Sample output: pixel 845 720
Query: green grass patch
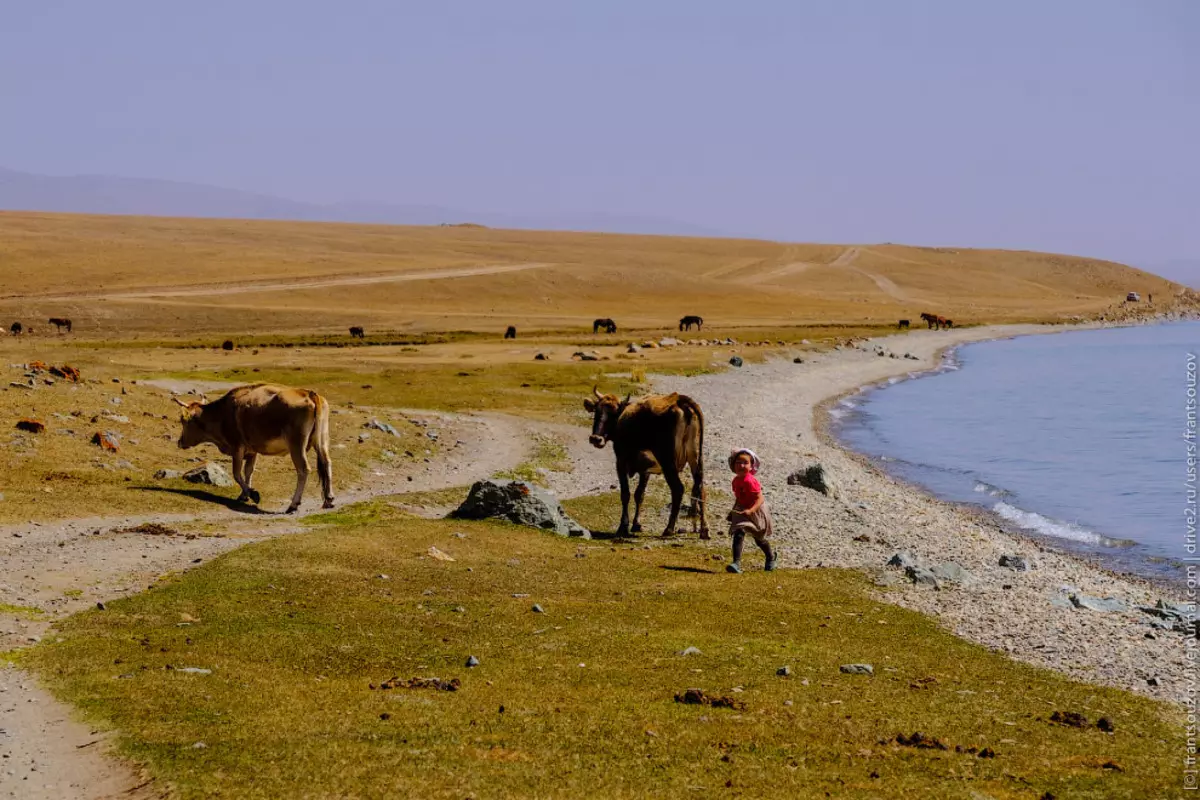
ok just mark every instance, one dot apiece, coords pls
pixel 21 611
pixel 577 701
pixel 550 454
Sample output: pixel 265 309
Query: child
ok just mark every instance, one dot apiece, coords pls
pixel 749 514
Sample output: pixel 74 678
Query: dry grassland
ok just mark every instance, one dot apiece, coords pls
pixel 122 276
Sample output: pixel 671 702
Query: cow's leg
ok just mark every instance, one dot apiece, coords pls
pixel 248 471
pixel 667 462
pixel 239 461
pixel 325 472
pixel 638 494
pixel 623 479
pixel 300 460
pixel 699 498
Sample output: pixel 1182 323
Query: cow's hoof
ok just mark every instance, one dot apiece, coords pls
pixel 637 527
pixel 704 536
pixel 622 531
pixel 667 534
pixel 328 503
pixel 291 509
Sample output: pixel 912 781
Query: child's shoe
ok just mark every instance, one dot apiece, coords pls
pixel 734 568
pixel 770 567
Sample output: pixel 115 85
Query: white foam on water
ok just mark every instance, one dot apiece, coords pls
pixel 1035 522
pixel 989 490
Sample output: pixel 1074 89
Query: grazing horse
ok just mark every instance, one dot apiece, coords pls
pixel 357 332
pixel 511 332
pixel 903 324
pixel 687 322
pixel 15 329
pixel 929 319
pixel 61 323
pixel 663 434
pixel 607 324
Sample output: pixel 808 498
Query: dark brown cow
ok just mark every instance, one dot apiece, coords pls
pixel 357 332
pixel 264 419
pixel 903 324
pixel 687 322
pixel 511 332
pixel 607 324
pixel 660 433
pixel 60 323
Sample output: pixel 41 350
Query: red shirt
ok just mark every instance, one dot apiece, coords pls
pixel 746 490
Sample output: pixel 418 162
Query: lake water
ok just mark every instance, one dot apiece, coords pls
pixel 1075 437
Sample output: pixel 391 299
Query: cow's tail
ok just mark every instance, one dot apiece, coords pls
pixel 319 441
pixel 689 443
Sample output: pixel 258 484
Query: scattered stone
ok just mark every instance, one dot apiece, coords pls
pixel 100 606
pixel 784 672
pixel 698 697
pixel 633 348
pixel 797 360
pixel 452 685
pixel 668 341
pixel 167 474
pixel 1015 562
pixel 537 609
pixel 375 424
pixel 923 576
pixel 903 559
pixel 521 503
pixel 736 361
pixel 362 437
pixel 690 651
pixel 1072 719
pixel 1105 724
pixel 1098 604
pixel 920 741
pixel 194 671
pixel 210 473
pixel 857 669
pixel 951 572
pixel 1153 682
pixel 541 357
pixel 472 661
pixel 815 477
pixel 106 440
pixel 440 555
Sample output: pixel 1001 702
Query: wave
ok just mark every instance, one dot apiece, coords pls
pixel 989 490
pixel 1057 529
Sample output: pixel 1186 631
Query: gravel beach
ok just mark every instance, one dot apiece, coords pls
pixel 779 409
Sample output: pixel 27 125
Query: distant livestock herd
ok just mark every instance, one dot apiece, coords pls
pixel 16 329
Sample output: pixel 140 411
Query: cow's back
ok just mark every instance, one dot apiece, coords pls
pixel 663 423
pixel 266 416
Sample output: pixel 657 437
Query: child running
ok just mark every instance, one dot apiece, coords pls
pixel 749 514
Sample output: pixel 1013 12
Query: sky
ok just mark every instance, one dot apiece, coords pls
pixel 1061 125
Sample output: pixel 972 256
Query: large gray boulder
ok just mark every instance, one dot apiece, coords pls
pixel 210 473
pixel 1098 603
pixel 519 502
pixel 814 477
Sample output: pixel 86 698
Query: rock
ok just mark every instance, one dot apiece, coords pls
pixel 784 672
pixel 537 609
pixel 541 357
pixel 922 575
pixel 167 474
pixel 668 341
pixel 195 670
pixel 950 572
pixel 690 651
pixel 633 348
pixel 903 560
pixel 582 356
pixel 1015 562
pixel 472 661
pixel 106 440
pixel 1097 603
pixel 211 474
pixel 736 361
pixel 815 477
pixel 857 669
pixel 440 555
pixel 123 464
pixel 375 424
pixel 121 418
pixel 521 503
pixel 797 360
pixel 362 437
pixel 1058 601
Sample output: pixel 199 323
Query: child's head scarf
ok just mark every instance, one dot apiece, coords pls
pixel 753 459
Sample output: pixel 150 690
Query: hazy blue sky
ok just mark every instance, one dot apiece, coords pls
pixel 1068 125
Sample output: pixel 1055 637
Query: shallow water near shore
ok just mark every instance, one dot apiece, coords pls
pixel 1075 438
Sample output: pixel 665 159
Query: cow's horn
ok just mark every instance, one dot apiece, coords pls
pixel 177 400
pixel 596 391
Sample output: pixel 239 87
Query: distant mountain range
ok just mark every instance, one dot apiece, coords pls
pixel 106 194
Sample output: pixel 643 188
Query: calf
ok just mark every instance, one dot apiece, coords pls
pixel 264 419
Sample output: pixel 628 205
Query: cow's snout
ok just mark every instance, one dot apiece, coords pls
pixel 597 441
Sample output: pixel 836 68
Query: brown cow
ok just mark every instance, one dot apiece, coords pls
pixel 660 433
pixel 264 419
pixel 60 323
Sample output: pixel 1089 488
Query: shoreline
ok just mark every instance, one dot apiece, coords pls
pixel 1027 614
pixel 825 423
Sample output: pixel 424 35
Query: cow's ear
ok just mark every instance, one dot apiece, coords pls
pixel 589 404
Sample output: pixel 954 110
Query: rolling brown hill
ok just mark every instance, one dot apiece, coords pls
pixel 116 274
